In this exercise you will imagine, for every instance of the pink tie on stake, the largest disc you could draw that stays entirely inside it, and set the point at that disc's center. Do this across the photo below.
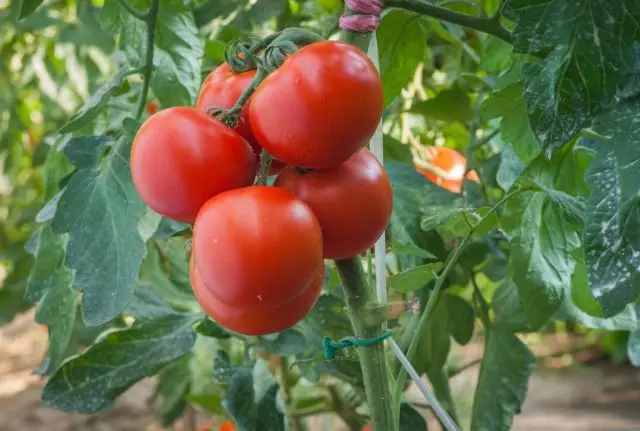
(365, 18)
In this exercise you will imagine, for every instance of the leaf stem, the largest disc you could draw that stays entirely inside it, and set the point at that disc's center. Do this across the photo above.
(450, 263)
(487, 25)
(372, 358)
(151, 19)
(263, 173)
(142, 16)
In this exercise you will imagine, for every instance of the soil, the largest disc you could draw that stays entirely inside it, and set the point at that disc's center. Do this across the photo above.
(594, 397)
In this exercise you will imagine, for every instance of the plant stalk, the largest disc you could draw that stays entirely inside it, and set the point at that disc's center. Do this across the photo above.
(372, 358)
(151, 18)
(486, 25)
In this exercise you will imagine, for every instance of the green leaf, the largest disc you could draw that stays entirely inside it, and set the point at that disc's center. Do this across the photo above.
(240, 398)
(589, 46)
(496, 55)
(438, 217)
(146, 304)
(449, 105)
(633, 348)
(286, 343)
(92, 381)
(27, 7)
(85, 151)
(505, 369)
(209, 328)
(270, 418)
(97, 103)
(412, 250)
(173, 387)
(508, 103)
(396, 150)
(435, 341)
(415, 278)
(508, 309)
(460, 318)
(511, 167)
(627, 320)
(51, 283)
(612, 227)
(572, 208)
(402, 46)
(100, 210)
(411, 419)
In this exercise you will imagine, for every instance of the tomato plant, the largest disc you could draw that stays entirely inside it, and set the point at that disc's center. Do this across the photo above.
(169, 248)
(181, 157)
(329, 97)
(353, 202)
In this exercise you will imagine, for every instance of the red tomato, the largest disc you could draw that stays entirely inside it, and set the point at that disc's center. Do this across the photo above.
(367, 427)
(352, 203)
(256, 322)
(227, 426)
(319, 107)
(222, 88)
(451, 162)
(152, 107)
(257, 247)
(181, 157)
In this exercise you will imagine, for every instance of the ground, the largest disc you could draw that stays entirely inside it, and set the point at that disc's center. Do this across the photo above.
(595, 396)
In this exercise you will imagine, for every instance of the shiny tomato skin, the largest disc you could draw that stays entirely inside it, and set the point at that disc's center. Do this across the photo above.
(222, 88)
(181, 157)
(353, 203)
(257, 247)
(261, 321)
(319, 107)
(452, 162)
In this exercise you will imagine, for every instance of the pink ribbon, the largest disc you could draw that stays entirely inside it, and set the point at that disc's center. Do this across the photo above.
(366, 17)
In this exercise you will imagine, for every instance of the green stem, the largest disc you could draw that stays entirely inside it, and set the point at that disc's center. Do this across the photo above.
(486, 25)
(151, 19)
(292, 420)
(263, 174)
(261, 74)
(142, 16)
(450, 263)
(372, 358)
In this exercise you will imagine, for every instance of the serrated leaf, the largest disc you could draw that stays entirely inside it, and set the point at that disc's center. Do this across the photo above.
(96, 104)
(415, 278)
(27, 7)
(508, 103)
(502, 387)
(590, 44)
(612, 225)
(92, 381)
(572, 207)
(438, 216)
(85, 151)
(401, 39)
(146, 304)
(412, 250)
(449, 105)
(633, 348)
(100, 209)
(287, 343)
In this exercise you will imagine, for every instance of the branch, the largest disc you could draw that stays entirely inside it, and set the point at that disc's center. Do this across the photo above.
(151, 18)
(450, 263)
(486, 25)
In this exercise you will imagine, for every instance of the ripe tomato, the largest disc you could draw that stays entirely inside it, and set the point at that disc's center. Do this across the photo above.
(181, 157)
(352, 203)
(222, 88)
(257, 247)
(152, 107)
(227, 426)
(451, 162)
(319, 107)
(367, 427)
(260, 321)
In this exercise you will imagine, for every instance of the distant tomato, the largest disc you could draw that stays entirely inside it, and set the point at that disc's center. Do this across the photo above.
(320, 107)
(367, 427)
(451, 162)
(152, 107)
(181, 157)
(257, 247)
(353, 202)
(227, 426)
(222, 88)
(259, 321)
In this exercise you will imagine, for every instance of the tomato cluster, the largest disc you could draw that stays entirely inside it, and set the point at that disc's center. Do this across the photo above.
(257, 263)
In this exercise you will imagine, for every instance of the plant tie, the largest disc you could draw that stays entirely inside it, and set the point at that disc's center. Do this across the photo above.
(331, 347)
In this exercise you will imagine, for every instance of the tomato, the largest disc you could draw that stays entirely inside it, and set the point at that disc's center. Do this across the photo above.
(222, 88)
(227, 426)
(257, 247)
(181, 157)
(320, 107)
(451, 162)
(367, 427)
(152, 107)
(261, 321)
(352, 203)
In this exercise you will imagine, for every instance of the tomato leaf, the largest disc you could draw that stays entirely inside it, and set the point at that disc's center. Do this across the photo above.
(27, 7)
(413, 250)
(173, 387)
(611, 238)
(100, 210)
(633, 348)
(146, 304)
(505, 369)
(508, 309)
(572, 207)
(411, 419)
(97, 103)
(85, 151)
(586, 47)
(415, 278)
(286, 343)
(209, 328)
(240, 397)
(449, 105)
(50, 282)
(91, 382)
(460, 318)
(401, 39)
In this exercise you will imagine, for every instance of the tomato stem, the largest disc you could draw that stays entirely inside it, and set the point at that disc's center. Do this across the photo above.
(372, 358)
(265, 162)
(151, 17)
